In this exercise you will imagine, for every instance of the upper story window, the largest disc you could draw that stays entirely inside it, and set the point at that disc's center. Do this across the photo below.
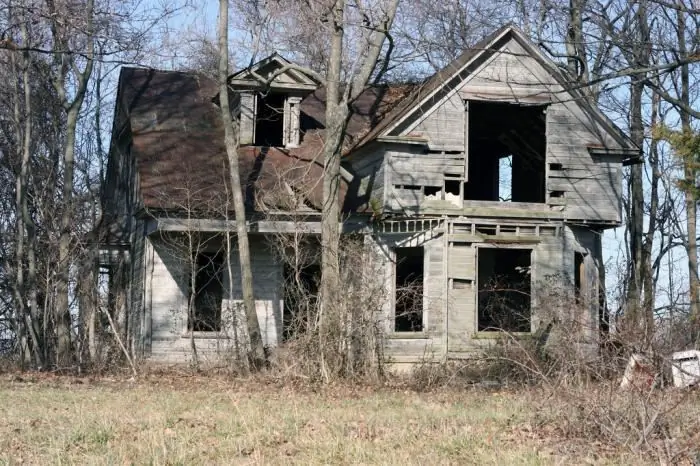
(507, 152)
(269, 120)
(270, 110)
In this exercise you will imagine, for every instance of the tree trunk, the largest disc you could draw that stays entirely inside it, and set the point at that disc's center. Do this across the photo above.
(257, 351)
(64, 355)
(637, 318)
(64, 62)
(336, 113)
(26, 290)
(648, 244)
(691, 246)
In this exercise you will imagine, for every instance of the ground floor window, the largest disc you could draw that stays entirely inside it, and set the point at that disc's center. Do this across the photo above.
(408, 299)
(208, 270)
(301, 287)
(504, 291)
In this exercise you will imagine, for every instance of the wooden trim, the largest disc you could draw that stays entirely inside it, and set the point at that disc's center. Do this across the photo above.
(403, 140)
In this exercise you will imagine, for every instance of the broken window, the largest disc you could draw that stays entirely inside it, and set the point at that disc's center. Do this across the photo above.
(208, 293)
(408, 300)
(507, 148)
(504, 289)
(300, 298)
(269, 120)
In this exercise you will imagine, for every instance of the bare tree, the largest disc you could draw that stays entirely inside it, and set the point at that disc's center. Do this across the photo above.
(257, 353)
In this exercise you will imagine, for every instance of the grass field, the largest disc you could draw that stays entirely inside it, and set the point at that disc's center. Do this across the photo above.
(214, 420)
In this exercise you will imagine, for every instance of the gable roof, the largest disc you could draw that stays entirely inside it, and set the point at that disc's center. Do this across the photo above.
(480, 51)
(290, 77)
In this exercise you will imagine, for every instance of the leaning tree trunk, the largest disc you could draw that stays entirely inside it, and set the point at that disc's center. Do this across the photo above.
(257, 352)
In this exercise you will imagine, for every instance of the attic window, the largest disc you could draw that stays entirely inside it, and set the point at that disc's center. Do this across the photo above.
(507, 146)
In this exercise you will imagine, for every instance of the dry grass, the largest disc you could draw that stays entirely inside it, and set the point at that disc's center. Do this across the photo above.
(214, 420)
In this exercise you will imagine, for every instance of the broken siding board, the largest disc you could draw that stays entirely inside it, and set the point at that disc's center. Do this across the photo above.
(417, 178)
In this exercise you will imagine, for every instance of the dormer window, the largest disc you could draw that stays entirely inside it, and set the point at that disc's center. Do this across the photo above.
(270, 108)
(276, 120)
(269, 120)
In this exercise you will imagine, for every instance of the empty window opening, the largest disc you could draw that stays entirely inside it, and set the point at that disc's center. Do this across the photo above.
(556, 167)
(505, 178)
(453, 187)
(408, 299)
(301, 285)
(433, 191)
(504, 290)
(208, 293)
(486, 229)
(579, 276)
(507, 147)
(269, 120)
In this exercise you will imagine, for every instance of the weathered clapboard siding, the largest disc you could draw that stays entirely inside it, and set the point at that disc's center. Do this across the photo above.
(429, 344)
(591, 187)
(442, 126)
(579, 187)
(411, 168)
(451, 281)
(247, 128)
(167, 283)
(547, 262)
(368, 171)
(136, 308)
(511, 67)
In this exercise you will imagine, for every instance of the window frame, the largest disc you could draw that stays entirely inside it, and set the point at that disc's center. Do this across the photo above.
(391, 324)
(188, 328)
(486, 334)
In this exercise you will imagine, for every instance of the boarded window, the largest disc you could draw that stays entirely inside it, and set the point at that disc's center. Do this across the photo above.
(507, 152)
(408, 309)
(504, 289)
(208, 293)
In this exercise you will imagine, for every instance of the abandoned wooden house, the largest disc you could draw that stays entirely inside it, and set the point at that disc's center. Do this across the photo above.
(494, 171)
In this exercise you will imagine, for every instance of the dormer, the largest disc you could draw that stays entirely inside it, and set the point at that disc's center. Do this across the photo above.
(270, 95)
